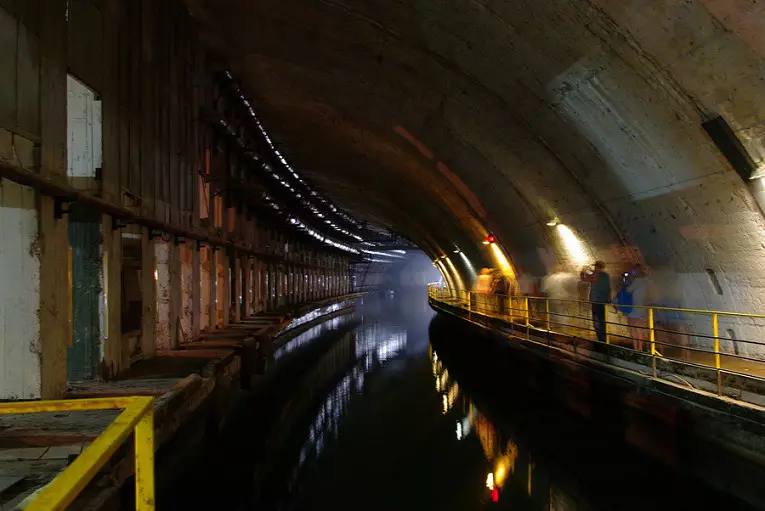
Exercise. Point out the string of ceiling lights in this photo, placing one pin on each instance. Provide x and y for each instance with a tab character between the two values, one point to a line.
323	211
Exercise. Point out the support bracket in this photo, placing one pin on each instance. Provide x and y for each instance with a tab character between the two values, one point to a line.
118	223
61	207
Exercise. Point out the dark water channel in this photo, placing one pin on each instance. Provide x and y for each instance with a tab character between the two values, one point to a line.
395	408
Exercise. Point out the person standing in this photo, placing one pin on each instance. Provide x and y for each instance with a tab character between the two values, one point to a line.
600	295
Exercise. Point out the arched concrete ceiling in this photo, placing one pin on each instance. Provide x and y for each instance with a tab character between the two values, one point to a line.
447	119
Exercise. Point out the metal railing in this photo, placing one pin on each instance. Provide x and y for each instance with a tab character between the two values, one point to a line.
137	418
666	338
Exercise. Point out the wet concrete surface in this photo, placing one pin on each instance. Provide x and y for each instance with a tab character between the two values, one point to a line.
395	408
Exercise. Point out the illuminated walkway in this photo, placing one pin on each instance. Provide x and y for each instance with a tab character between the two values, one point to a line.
683	343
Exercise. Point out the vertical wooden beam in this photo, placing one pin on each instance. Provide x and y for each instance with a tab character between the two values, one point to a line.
239	287
53	232
196	293
213	303
226	285
247	279
176	295
148	101
149	295
116	353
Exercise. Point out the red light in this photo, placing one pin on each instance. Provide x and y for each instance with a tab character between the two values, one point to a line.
490	238
495	495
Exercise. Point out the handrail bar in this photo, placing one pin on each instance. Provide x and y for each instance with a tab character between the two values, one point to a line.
646	332
655	307
136	418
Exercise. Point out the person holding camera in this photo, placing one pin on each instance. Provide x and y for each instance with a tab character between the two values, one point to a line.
600	295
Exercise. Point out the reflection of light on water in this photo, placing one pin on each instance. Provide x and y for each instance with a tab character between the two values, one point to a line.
502	461
316	313
442	379
448	397
451	397
381	341
374	344
463	427
327	420
391	347
309	335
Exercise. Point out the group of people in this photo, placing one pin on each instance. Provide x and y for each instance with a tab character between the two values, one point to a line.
493	282
633	298
567	291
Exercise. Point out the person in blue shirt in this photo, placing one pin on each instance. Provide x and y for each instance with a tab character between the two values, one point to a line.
600	295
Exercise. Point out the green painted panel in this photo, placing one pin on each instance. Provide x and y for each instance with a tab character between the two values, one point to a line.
83	356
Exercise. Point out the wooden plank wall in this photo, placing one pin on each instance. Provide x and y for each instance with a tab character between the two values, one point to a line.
19	82
147	66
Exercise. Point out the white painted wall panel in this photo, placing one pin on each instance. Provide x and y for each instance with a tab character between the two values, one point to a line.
19	293
83	130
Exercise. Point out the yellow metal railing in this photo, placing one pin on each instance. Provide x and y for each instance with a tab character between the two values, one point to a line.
137	418
662	333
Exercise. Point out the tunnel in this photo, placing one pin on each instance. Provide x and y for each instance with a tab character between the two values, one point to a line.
230	217
571	131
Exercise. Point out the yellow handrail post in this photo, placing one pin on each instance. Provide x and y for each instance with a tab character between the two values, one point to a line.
652	338
547	314
528	321
716	334
144	463
608	326
65	488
